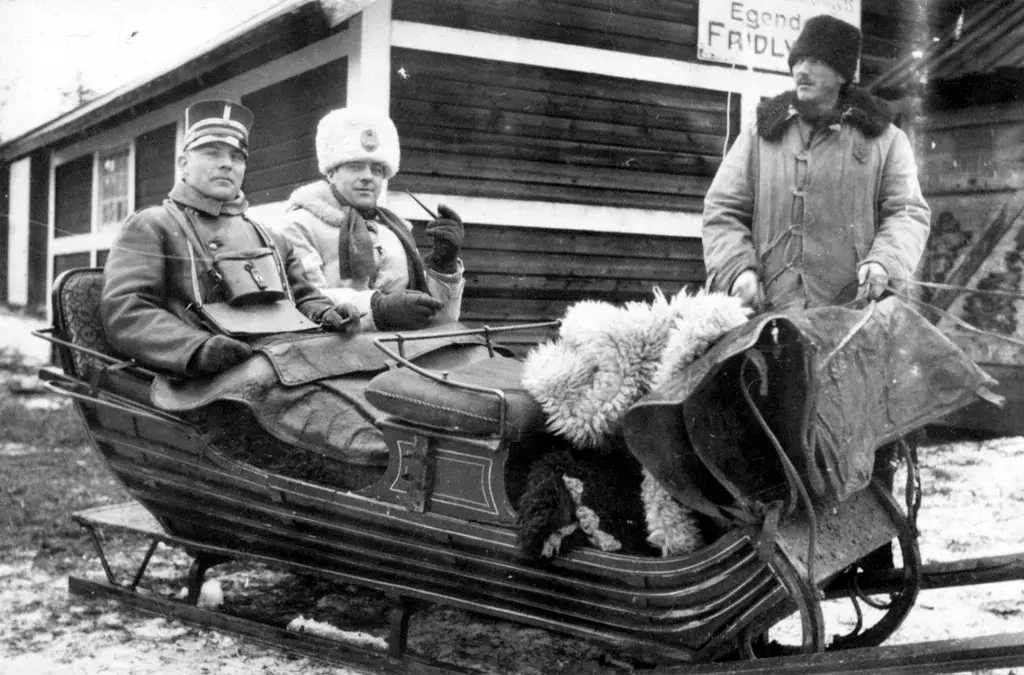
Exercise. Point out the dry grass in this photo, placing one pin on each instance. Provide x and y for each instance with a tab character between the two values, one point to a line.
48	471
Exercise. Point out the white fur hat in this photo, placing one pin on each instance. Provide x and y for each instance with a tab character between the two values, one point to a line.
357	135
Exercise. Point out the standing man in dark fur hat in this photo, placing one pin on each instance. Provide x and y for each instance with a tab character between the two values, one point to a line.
821	196
163	263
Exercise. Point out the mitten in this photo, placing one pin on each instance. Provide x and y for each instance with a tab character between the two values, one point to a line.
403	310
342	318
447	232
873	279
218	354
747	287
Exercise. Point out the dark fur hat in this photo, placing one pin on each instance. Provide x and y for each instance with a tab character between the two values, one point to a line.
832	40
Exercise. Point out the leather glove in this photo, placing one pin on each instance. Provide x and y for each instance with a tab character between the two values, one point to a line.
747	287
403	310
343	318
873	279
448	233
218	354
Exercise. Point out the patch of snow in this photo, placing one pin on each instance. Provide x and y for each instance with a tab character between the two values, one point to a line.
301	624
211	595
16	336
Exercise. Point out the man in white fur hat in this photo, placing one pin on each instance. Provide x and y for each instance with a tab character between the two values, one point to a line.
356	252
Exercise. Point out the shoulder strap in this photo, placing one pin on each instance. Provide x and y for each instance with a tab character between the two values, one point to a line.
184	221
192	240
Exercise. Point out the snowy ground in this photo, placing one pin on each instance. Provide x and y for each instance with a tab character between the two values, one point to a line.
16	335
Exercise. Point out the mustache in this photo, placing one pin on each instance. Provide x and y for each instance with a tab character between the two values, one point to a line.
804	80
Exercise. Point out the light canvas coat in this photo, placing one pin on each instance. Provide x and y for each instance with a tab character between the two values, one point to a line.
806	214
311	224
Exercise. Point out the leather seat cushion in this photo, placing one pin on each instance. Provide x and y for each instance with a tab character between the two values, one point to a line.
414	398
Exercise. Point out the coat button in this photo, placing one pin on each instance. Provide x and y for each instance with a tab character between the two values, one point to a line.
213	245
801	156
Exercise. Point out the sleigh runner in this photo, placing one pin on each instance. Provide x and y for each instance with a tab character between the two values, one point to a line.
439	523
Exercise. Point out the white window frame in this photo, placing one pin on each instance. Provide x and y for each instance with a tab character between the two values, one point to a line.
94	240
97	181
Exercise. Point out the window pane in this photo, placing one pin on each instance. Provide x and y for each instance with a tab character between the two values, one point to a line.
113	188
63	263
73	208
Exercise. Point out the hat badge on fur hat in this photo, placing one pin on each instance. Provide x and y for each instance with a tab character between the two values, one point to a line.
831	40
357	135
369	140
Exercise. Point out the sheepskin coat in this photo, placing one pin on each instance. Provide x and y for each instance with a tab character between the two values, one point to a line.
805	210
311	224
606	358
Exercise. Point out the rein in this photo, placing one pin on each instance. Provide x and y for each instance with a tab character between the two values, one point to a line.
949	315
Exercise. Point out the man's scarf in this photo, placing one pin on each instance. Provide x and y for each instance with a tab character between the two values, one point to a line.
355	246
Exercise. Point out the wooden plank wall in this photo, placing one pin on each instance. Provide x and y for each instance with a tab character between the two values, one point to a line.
5	227
154	165
663	28
282	152
73	208
491	129
528	274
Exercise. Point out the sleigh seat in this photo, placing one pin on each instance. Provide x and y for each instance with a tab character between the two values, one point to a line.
483	398
461	439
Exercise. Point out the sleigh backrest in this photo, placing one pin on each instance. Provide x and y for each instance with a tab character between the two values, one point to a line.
76	319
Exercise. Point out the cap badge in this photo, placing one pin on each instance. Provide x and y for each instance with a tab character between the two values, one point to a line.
369	140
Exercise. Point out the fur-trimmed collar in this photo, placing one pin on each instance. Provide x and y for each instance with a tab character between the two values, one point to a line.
859	109
319	199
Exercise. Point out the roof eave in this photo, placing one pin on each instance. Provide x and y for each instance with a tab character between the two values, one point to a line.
261	29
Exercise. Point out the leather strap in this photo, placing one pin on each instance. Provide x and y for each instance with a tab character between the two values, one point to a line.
184	220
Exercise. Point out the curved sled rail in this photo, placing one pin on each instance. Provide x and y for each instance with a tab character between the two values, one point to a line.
72	388
486	331
111	361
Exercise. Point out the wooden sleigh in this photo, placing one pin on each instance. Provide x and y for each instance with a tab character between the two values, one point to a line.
438	525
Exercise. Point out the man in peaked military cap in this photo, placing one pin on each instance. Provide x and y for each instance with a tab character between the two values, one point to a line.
821	195
160	267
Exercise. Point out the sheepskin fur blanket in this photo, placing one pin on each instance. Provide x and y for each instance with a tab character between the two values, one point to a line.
605	359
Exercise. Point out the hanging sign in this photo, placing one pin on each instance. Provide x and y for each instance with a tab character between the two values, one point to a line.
759	33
